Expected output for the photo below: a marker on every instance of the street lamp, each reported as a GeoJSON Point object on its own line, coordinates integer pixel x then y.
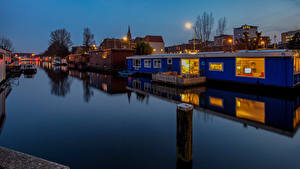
{"type": "Point", "coordinates": [230, 41]}
{"type": "Point", "coordinates": [125, 38]}
{"type": "Point", "coordinates": [263, 44]}
{"type": "Point", "coordinates": [189, 25]}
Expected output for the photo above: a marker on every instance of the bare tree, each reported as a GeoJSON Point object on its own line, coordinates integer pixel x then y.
{"type": "Point", "coordinates": [198, 29]}
{"type": "Point", "coordinates": [203, 26]}
{"type": "Point", "coordinates": [222, 23]}
{"type": "Point", "coordinates": [6, 44]}
{"type": "Point", "coordinates": [59, 43]}
{"type": "Point", "coordinates": [88, 39]}
{"type": "Point", "coordinates": [62, 37]}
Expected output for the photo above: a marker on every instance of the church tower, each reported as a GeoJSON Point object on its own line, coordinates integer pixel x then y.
{"type": "Point", "coordinates": [129, 38]}
{"type": "Point", "coordinates": [129, 34]}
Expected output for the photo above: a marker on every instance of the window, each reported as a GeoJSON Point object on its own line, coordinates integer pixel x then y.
{"type": "Point", "coordinates": [157, 63]}
{"type": "Point", "coordinates": [169, 61]}
{"type": "Point", "coordinates": [190, 66]}
{"type": "Point", "coordinates": [104, 55]}
{"type": "Point", "coordinates": [250, 109]}
{"type": "Point", "coordinates": [136, 63]}
{"type": "Point", "coordinates": [250, 67]}
{"type": "Point", "coordinates": [216, 67]}
{"type": "Point", "coordinates": [161, 50]}
{"type": "Point", "coordinates": [216, 101]}
{"type": "Point", "coordinates": [296, 64]}
{"type": "Point", "coordinates": [190, 98]}
{"type": "Point", "coordinates": [147, 63]}
{"type": "Point", "coordinates": [154, 50]}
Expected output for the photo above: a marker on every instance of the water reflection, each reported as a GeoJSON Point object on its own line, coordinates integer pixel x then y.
{"type": "Point", "coordinates": [184, 140]}
{"type": "Point", "coordinates": [4, 92]}
{"type": "Point", "coordinates": [279, 115]}
{"type": "Point", "coordinates": [59, 80]}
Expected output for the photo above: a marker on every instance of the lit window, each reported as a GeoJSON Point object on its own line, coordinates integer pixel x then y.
{"type": "Point", "coordinates": [157, 63]}
{"type": "Point", "coordinates": [147, 63]}
{"type": "Point", "coordinates": [216, 101]}
{"type": "Point", "coordinates": [296, 117]}
{"type": "Point", "coordinates": [251, 110]}
{"type": "Point", "coordinates": [169, 61]}
{"type": "Point", "coordinates": [296, 64]}
{"type": "Point", "coordinates": [190, 98]}
{"type": "Point", "coordinates": [136, 63]}
{"type": "Point", "coordinates": [250, 67]}
{"type": "Point", "coordinates": [161, 50]}
{"type": "Point", "coordinates": [216, 67]}
{"type": "Point", "coordinates": [190, 66]}
{"type": "Point", "coordinates": [154, 50]}
{"type": "Point", "coordinates": [104, 55]}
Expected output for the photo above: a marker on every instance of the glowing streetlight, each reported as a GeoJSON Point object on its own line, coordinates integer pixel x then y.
{"type": "Point", "coordinates": [125, 38]}
{"type": "Point", "coordinates": [263, 43]}
{"type": "Point", "coordinates": [230, 41]}
{"type": "Point", "coordinates": [189, 25]}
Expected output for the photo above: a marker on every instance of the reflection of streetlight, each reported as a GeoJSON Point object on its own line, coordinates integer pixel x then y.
{"type": "Point", "coordinates": [189, 25]}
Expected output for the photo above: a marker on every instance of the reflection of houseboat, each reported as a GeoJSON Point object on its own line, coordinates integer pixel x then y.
{"type": "Point", "coordinates": [278, 115]}
{"type": "Point", "coordinates": [270, 67]}
{"type": "Point", "coordinates": [29, 69]}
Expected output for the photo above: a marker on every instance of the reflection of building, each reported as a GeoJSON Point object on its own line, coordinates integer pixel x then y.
{"type": "Point", "coordinates": [288, 36]}
{"type": "Point", "coordinates": [3, 94]}
{"type": "Point", "coordinates": [184, 139]}
{"type": "Point", "coordinates": [239, 32]}
{"type": "Point", "coordinates": [276, 114]}
{"type": "Point", "coordinates": [104, 82]}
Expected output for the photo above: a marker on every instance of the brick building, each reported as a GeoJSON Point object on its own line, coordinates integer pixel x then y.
{"type": "Point", "coordinates": [109, 59]}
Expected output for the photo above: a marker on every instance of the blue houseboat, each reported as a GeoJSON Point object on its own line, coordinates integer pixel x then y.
{"type": "Point", "coordinates": [265, 67]}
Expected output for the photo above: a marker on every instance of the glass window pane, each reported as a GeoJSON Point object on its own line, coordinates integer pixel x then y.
{"type": "Point", "coordinates": [190, 66]}
{"type": "Point", "coordinates": [250, 67]}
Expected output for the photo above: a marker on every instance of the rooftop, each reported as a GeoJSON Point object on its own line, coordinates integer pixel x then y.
{"type": "Point", "coordinates": [249, 53]}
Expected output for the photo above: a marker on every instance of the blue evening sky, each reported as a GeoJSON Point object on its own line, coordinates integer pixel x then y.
{"type": "Point", "coordinates": [28, 23]}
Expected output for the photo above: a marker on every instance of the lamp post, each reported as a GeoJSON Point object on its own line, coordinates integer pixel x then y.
{"type": "Point", "coordinates": [230, 41]}
{"type": "Point", "coordinates": [189, 26]}
{"type": "Point", "coordinates": [263, 43]}
{"type": "Point", "coordinates": [125, 39]}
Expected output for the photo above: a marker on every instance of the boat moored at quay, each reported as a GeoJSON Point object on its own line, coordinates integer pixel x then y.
{"type": "Point", "coordinates": [279, 68]}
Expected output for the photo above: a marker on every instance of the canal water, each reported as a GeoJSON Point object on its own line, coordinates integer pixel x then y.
{"type": "Point", "coordinates": [92, 120]}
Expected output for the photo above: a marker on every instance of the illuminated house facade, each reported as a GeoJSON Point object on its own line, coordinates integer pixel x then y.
{"type": "Point", "coordinates": [238, 33]}
{"type": "Point", "coordinates": [270, 67]}
{"type": "Point", "coordinates": [288, 36]}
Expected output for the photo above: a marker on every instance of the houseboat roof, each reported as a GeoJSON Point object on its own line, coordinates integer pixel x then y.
{"type": "Point", "coordinates": [249, 53]}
